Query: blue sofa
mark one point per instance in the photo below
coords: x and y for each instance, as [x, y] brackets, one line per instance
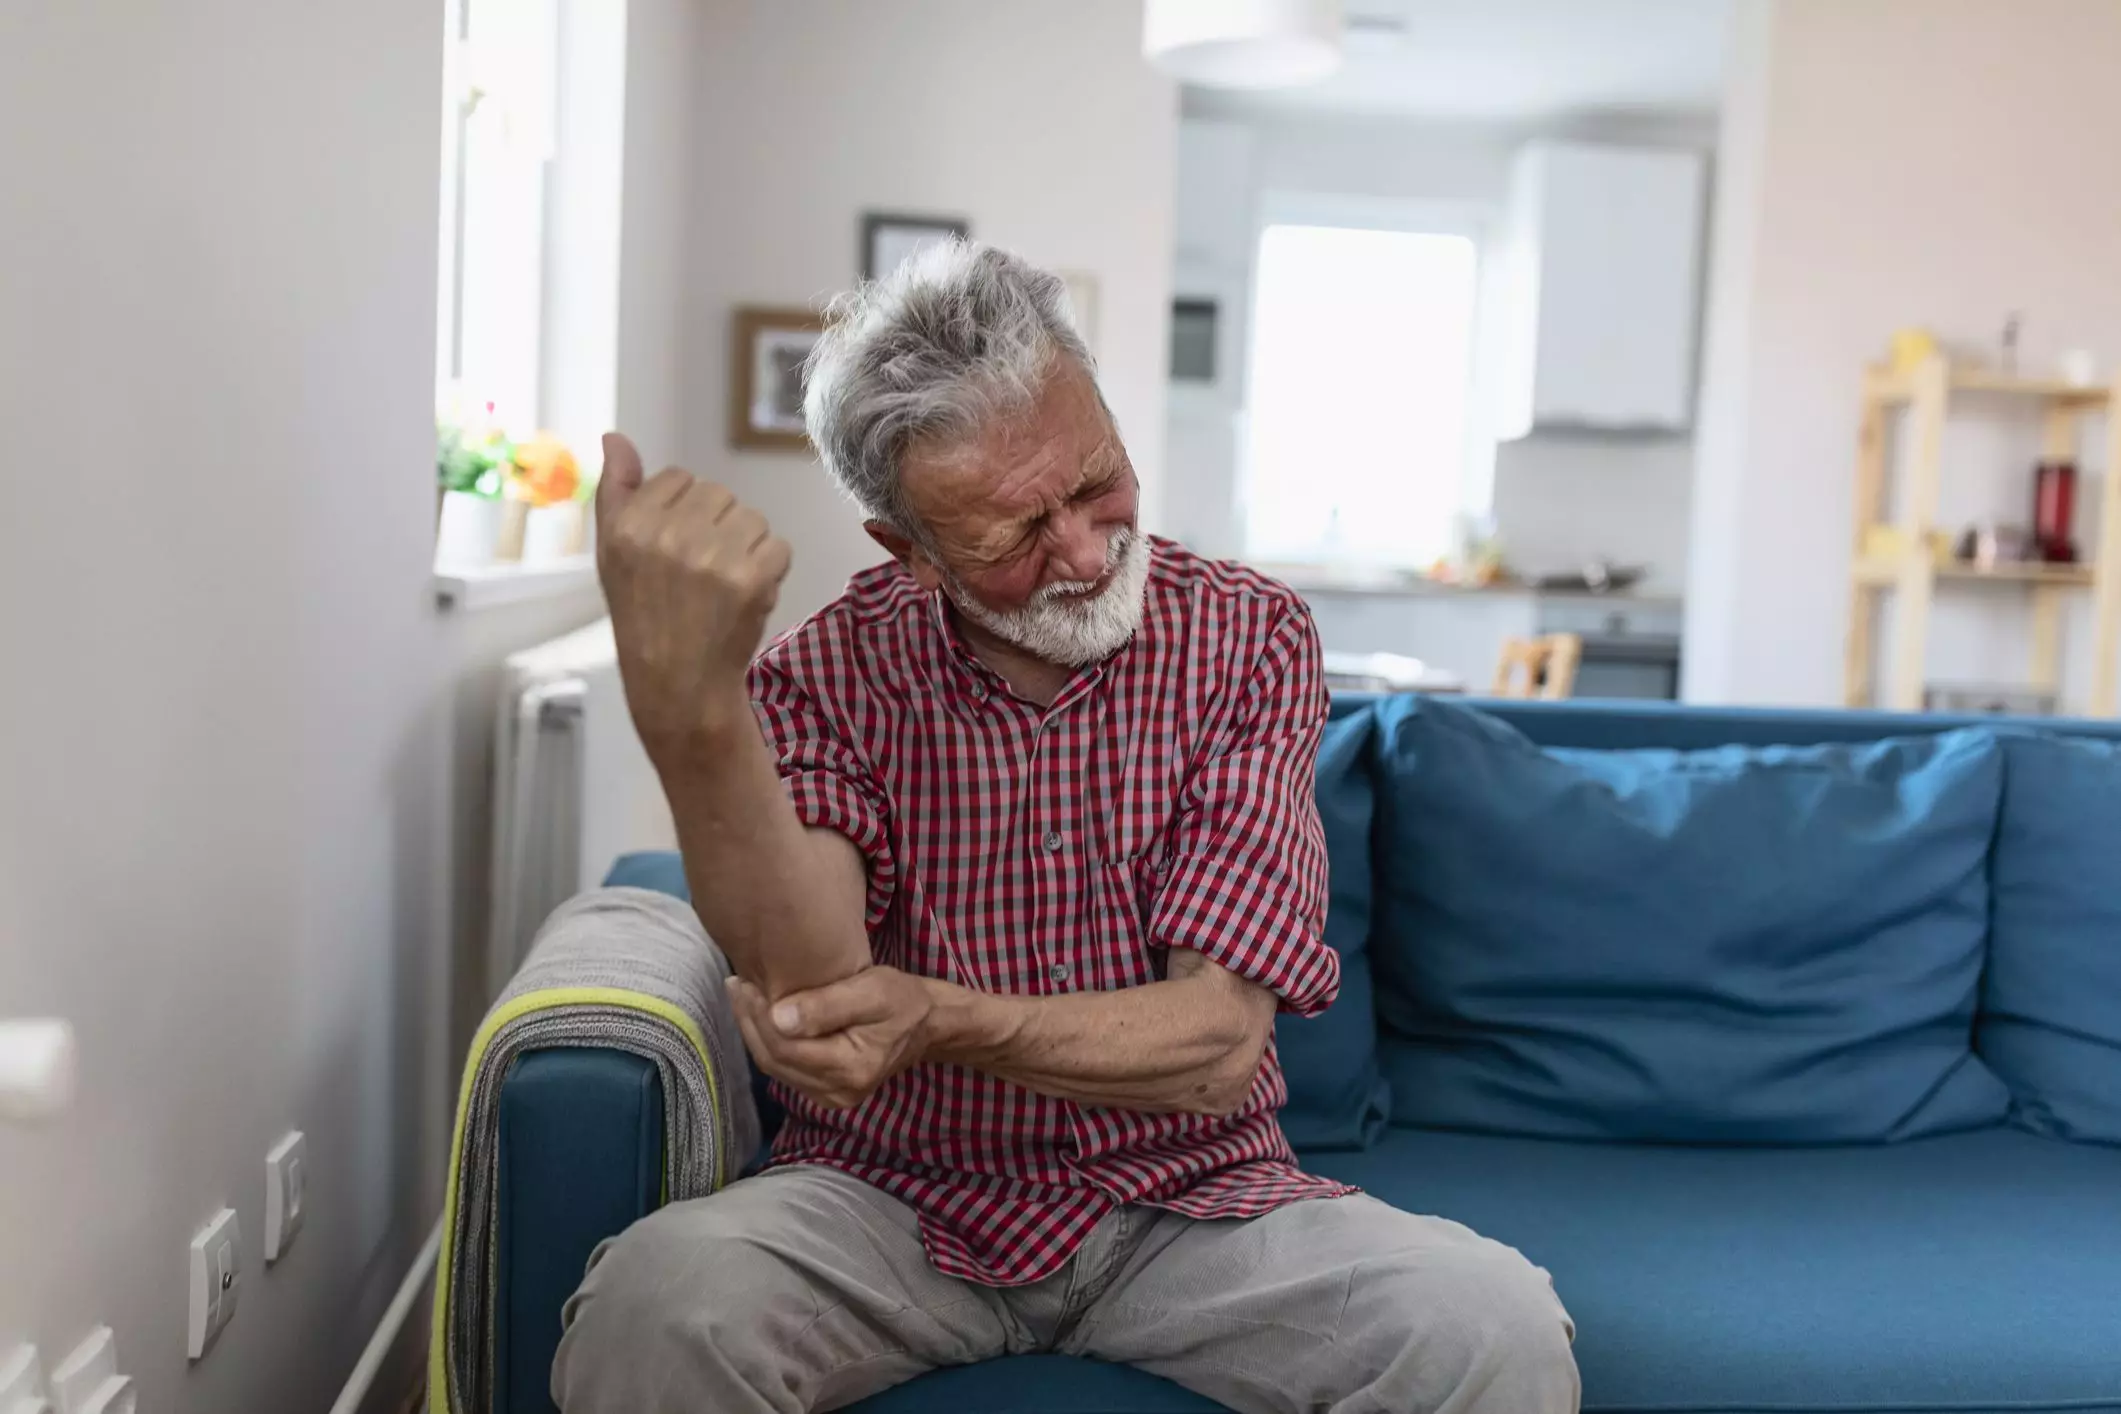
[1790, 1043]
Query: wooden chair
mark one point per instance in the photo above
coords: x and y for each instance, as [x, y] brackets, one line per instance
[1538, 667]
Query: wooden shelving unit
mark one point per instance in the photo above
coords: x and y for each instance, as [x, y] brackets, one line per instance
[1923, 396]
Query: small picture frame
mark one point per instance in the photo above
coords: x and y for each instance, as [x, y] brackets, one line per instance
[889, 240]
[766, 377]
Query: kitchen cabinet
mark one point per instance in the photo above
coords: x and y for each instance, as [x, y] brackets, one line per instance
[1596, 282]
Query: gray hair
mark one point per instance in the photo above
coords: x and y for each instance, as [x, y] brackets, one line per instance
[956, 337]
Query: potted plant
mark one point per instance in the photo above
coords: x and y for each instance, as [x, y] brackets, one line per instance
[470, 457]
[547, 481]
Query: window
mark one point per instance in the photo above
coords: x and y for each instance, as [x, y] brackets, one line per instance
[1357, 441]
[498, 137]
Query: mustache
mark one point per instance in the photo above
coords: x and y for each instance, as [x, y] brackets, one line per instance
[1063, 590]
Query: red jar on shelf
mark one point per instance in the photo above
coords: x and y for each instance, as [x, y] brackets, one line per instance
[2054, 508]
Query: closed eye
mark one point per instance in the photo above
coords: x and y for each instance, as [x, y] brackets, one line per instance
[1096, 488]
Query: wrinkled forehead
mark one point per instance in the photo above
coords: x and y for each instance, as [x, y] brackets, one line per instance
[1021, 464]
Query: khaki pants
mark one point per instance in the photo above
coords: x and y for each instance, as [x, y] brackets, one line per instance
[805, 1289]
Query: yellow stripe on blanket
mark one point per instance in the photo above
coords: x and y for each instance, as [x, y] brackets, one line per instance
[529, 1002]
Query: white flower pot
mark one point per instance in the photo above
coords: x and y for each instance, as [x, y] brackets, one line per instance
[552, 533]
[466, 532]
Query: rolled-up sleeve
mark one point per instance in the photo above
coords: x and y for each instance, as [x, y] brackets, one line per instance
[1246, 886]
[831, 781]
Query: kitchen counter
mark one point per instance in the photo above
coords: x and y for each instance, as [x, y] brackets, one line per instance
[1314, 582]
[1459, 630]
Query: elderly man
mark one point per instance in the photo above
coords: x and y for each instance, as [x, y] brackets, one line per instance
[1014, 851]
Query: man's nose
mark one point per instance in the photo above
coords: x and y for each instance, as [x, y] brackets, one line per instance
[1078, 552]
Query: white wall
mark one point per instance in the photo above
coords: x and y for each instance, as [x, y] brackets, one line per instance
[662, 37]
[223, 755]
[1039, 122]
[243, 759]
[623, 806]
[1934, 162]
[1563, 496]
[1558, 498]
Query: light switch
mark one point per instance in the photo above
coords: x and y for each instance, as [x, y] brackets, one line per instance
[22, 1382]
[87, 1381]
[216, 1276]
[286, 1174]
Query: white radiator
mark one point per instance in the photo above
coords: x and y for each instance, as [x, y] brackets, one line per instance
[572, 789]
[537, 790]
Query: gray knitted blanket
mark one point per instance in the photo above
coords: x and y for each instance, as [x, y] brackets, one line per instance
[627, 969]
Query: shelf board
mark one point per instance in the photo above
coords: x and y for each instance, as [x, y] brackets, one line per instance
[1897, 387]
[482, 586]
[1887, 572]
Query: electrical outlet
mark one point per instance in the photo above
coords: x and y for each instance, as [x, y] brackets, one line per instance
[88, 1382]
[22, 1383]
[215, 1272]
[286, 1178]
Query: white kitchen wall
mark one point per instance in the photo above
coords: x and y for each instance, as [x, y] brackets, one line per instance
[1558, 498]
[1932, 162]
[1041, 123]
[1563, 496]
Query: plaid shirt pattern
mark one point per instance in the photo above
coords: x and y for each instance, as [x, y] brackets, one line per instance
[1163, 800]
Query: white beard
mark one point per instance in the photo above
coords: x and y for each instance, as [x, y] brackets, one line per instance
[1061, 625]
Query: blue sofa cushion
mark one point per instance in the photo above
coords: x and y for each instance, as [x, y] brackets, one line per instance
[1337, 1096]
[1732, 945]
[662, 870]
[1970, 1274]
[1039, 1384]
[2051, 1001]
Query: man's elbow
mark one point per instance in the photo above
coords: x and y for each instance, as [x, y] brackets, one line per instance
[1222, 1087]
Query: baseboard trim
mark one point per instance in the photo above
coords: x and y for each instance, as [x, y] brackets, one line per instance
[391, 1336]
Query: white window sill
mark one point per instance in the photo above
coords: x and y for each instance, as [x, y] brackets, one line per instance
[483, 586]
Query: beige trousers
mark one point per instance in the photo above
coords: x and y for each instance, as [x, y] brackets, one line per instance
[805, 1289]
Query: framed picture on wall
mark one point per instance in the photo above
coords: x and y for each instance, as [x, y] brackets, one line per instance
[888, 240]
[766, 377]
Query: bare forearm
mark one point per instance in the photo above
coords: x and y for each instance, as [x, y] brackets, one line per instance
[783, 901]
[1191, 1045]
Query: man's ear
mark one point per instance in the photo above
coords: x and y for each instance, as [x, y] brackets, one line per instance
[901, 547]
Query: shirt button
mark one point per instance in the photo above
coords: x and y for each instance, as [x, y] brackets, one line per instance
[1059, 971]
[1052, 842]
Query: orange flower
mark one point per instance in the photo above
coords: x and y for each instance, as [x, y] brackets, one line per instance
[546, 472]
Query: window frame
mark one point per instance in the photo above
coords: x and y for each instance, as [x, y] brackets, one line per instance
[516, 74]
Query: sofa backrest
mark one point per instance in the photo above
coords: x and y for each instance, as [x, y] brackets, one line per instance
[1579, 929]
[1616, 725]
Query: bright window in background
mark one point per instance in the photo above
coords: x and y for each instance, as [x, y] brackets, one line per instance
[1361, 390]
[498, 137]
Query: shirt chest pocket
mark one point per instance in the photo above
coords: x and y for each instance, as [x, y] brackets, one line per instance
[1134, 816]
[1135, 838]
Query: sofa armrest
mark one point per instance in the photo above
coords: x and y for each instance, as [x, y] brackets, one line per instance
[580, 1158]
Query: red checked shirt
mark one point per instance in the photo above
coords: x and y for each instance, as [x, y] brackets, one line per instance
[1164, 800]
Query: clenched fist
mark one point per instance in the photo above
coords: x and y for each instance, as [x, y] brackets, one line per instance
[691, 576]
